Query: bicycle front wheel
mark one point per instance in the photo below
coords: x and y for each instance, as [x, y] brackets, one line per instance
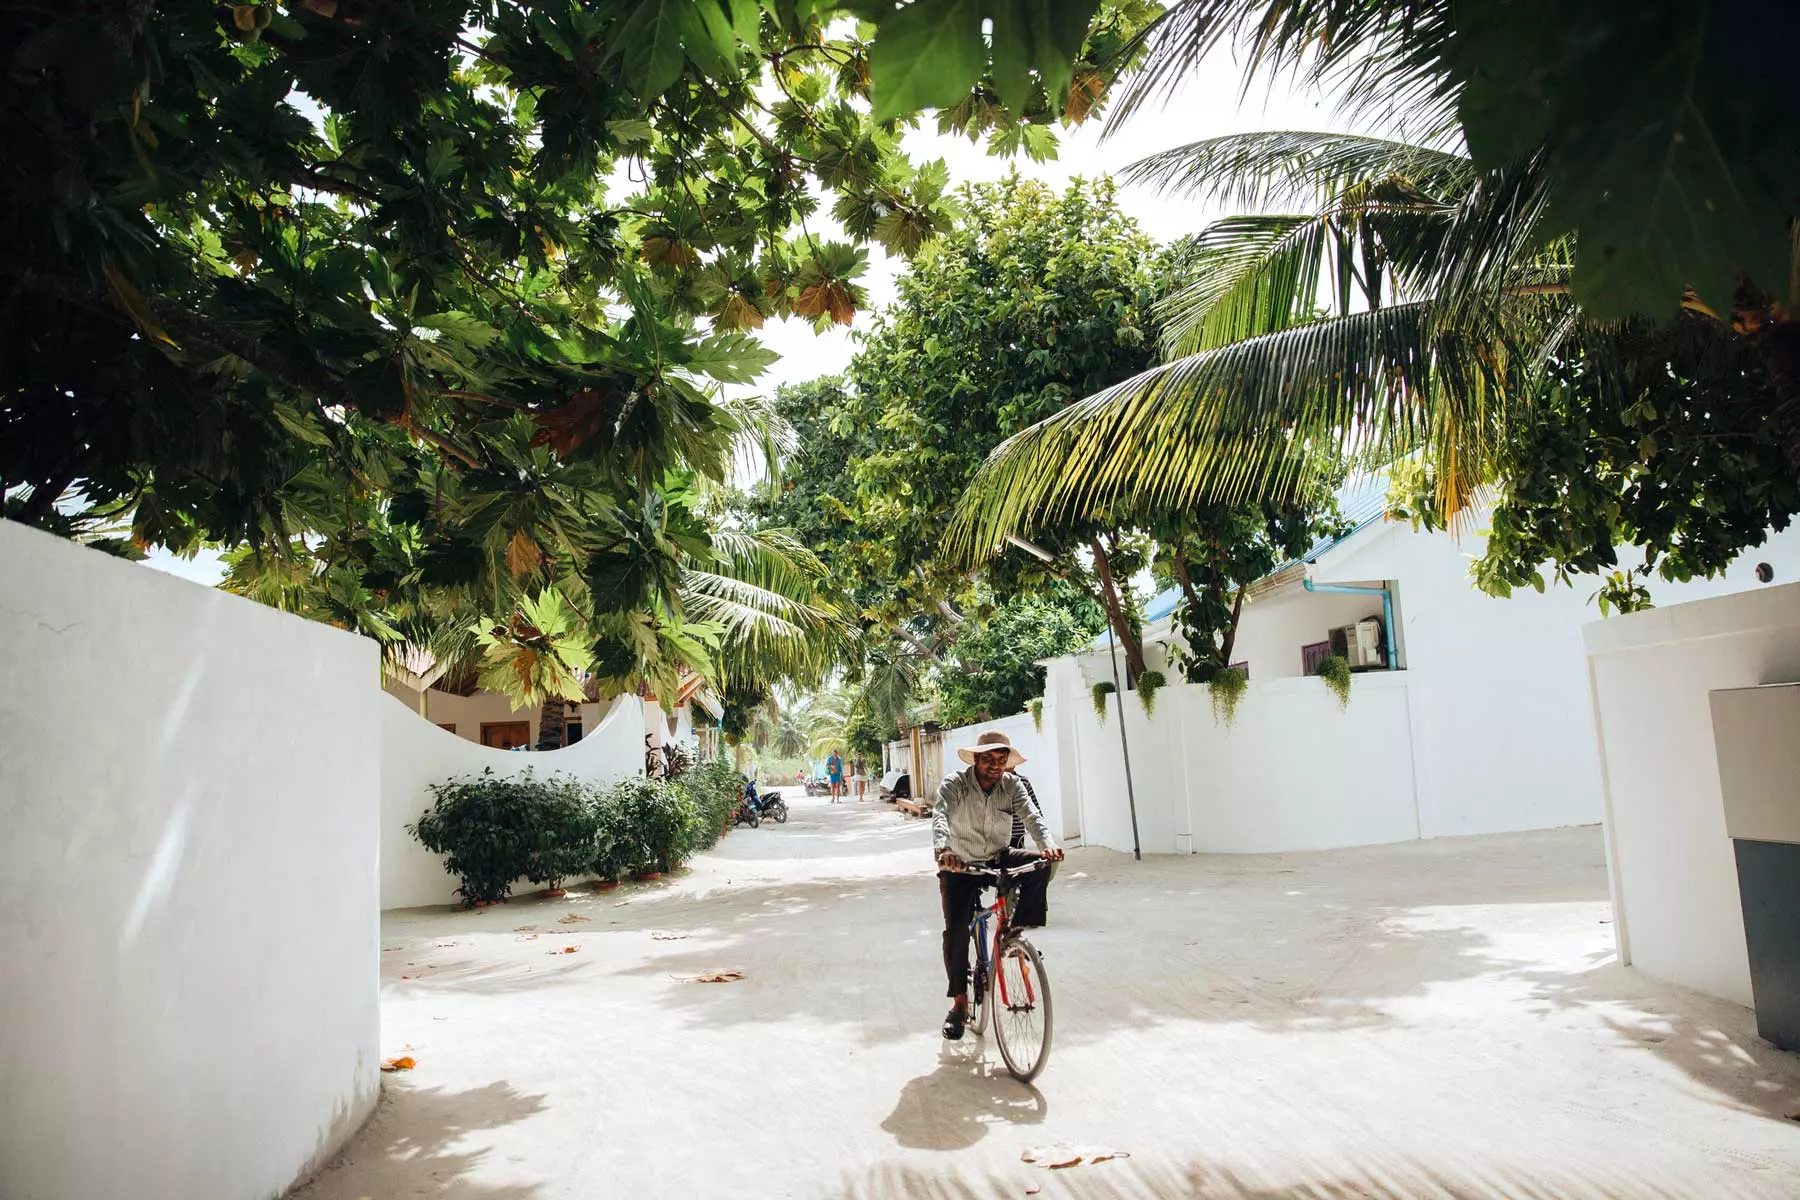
[1020, 1000]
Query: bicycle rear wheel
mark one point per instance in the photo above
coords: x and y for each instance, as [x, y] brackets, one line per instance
[1020, 1001]
[980, 981]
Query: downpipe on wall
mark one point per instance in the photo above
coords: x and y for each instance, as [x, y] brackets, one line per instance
[1387, 610]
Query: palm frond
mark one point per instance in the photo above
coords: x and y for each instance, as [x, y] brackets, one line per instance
[1258, 417]
[1386, 58]
[1296, 169]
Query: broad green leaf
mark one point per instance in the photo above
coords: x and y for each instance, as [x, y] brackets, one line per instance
[1041, 34]
[464, 328]
[651, 43]
[731, 358]
[926, 55]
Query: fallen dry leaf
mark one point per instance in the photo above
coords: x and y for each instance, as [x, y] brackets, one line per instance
[570, 919]
[566, 950]
[523, 928]
[668, 937]
[404, 1063]
[1057, 1158]
[712, 977]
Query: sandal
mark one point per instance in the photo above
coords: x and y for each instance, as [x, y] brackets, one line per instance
[953, 1024]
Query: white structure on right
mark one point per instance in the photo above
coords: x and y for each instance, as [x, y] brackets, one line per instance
[1678, 914]
[1472, 715]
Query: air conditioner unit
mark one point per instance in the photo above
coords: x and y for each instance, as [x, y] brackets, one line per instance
[1361, 644]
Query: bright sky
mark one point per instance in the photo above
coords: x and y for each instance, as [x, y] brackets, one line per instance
[1207, 107]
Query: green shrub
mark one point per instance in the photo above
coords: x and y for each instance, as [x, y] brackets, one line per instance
[492, 831]
[713, 788]
[643, 825]
[1334, 669]
[1147, 684]
[1036, 708]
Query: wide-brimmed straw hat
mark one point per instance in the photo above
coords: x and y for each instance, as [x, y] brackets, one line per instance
[991, 741]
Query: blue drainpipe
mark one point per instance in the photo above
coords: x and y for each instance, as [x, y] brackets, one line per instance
[1387, 610]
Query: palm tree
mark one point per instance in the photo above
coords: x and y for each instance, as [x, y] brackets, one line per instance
[1443, 298]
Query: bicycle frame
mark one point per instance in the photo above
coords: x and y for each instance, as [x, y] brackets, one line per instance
[986, 945]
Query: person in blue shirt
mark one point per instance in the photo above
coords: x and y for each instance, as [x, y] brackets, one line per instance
[834, 772]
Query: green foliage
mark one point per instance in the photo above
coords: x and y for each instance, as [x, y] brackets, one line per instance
[1647, 121]
[1101, 691]
[1147, 686]
[1212, 552]
[1033, 298]
[713, 790]
[429, 308]
[1664, 439]
[1334, 669]
[1225, 690]
[645, 825]
[1035, 706]
[492, 831]
[995, 671]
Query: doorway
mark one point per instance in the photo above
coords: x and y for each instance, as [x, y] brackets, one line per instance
[505, 735]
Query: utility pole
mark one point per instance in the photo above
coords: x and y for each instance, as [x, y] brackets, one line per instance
[1112, 646]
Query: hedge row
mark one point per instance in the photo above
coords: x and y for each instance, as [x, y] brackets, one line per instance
[492, 831]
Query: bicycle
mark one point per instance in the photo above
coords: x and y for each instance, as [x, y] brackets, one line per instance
[1012, 977]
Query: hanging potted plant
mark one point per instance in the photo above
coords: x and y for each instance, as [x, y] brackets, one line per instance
[1334, 669]
[1226, 689]
[1102, 690]
[1148, 683]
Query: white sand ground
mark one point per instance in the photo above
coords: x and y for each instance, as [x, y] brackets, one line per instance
[1439, 1019]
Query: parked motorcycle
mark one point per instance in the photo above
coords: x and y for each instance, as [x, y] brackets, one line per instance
[747, 813]
[775, 808]
[768, 804]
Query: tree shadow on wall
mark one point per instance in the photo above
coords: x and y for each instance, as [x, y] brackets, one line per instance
[409, 1147]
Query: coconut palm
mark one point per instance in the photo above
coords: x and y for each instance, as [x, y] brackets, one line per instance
[1440, 295]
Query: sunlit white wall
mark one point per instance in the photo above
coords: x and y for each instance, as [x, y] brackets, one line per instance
[188, 839]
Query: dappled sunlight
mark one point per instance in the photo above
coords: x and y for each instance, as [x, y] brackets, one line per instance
[1414, 1018]
[434, 1139]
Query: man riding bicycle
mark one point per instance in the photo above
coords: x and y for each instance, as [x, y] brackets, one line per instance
[972, 823]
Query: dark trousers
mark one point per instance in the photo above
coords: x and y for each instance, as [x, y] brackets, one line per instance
[959, 894]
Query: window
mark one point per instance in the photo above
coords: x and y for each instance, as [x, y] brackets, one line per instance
[1311, 656]
[571, 733]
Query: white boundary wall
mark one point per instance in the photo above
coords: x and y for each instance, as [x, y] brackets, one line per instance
[1674, 877]
[1254, 786]
[417, 754]
[188, 839]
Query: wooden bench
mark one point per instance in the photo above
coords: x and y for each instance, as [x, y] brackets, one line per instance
[912, 808]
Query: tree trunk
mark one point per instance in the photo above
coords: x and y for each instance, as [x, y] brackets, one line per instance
[553, 721]
[1230, 641]
[1115, 616]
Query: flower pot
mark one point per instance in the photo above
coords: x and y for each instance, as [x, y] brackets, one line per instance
[646, 876]
[605, 885]
[554, 893]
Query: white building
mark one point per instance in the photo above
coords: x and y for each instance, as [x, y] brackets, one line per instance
[1479, 721]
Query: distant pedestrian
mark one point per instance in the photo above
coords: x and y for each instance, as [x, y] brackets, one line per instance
[859, 775]
[834, 773]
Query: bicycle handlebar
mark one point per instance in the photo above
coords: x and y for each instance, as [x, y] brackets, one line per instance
[1006, 872]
